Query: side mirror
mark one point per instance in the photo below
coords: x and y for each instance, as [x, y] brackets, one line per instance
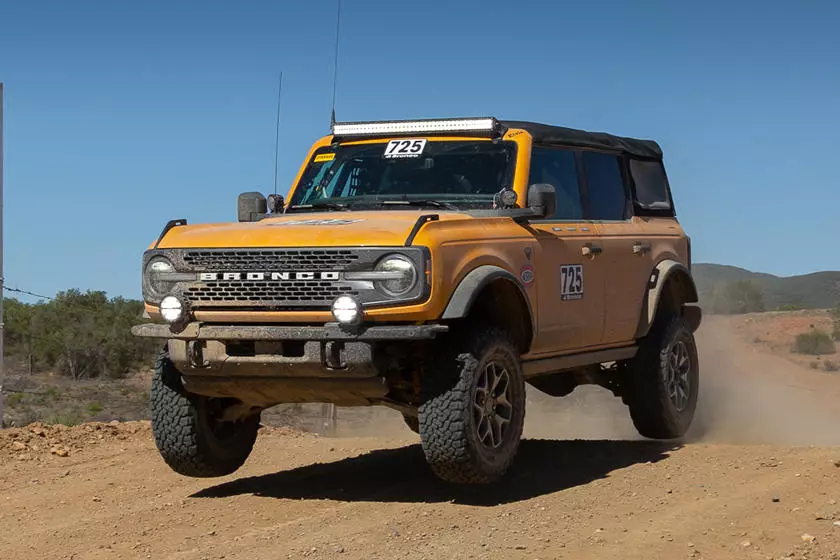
[542, 199]
[251, 207]
[276, 203]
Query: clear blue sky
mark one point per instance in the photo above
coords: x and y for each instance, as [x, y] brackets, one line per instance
[123, 115]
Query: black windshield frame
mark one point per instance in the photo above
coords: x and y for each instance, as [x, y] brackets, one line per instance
[446, 163]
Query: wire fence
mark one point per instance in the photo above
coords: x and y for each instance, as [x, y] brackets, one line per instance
[27, 293]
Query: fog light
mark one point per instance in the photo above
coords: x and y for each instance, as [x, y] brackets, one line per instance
[346, 310]
[171, 309]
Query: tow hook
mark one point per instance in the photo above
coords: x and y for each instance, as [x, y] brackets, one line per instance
[195, 353]
[332, 354]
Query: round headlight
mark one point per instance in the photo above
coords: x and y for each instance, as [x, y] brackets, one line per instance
[171, 309]
[401, 278]
[157, 267]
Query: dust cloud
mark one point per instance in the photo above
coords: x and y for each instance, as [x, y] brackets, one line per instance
[749, 396]
[746, 397]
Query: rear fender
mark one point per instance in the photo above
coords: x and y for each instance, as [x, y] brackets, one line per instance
[669, 279]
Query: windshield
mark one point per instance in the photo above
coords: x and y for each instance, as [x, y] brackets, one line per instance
[406, 172]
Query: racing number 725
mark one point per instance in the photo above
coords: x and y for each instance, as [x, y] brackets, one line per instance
[406, 147]
[571, 282]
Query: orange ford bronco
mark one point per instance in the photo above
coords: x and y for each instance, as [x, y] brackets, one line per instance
[435, 267]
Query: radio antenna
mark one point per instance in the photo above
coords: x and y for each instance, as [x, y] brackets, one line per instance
[277, 132]
[335, 64]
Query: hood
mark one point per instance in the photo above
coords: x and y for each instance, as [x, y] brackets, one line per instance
[306, 229]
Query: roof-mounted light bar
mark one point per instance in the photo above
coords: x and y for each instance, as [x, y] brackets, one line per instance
[484, 125]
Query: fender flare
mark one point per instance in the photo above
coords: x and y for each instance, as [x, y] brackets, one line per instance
[661, 274]
[464, 296]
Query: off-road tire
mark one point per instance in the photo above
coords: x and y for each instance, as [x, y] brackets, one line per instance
[647, 395]
[181, 426]
[448, 427]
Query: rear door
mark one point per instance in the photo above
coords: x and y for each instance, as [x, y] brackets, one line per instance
[626, 257]
[567, 265]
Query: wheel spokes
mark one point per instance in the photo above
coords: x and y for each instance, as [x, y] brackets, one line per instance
[498, 426]
[492, 408]
[678, 384]
[502, 403]
[485, 431]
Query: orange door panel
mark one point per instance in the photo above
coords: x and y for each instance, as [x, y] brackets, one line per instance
[627, 255]
[570, 284]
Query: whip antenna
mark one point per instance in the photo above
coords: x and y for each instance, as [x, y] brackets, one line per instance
[277, 132]
[335, 63]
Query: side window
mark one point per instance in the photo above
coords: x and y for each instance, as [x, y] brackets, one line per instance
[557, 167]
[651, 184]
[605, 187]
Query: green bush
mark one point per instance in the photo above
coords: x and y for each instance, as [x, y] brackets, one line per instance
[94, 408]
[814, 343]
[78, 335]
[66, 418]
[14, 399]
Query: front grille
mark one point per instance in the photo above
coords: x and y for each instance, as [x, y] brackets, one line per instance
[268, 293]
[264, 260]
[318, 293]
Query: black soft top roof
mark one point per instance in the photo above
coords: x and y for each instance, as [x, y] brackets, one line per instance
[560, 135]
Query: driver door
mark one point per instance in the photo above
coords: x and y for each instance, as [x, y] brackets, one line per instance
[570, 276]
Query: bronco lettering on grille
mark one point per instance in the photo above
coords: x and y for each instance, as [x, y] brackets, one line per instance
[262, 276]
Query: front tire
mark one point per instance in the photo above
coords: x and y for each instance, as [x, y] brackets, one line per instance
[188, 436]
[473, 408]
[663, 380]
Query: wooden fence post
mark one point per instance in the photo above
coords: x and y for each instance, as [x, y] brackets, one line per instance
[329, 417]
[2, 402]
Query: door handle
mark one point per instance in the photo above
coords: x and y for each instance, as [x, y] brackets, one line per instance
[641, 248]
[589, 250]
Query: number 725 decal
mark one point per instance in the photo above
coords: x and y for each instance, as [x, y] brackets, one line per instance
[571, 282]
[409, 147]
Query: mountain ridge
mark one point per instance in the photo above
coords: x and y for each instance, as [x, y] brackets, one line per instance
[814, 290]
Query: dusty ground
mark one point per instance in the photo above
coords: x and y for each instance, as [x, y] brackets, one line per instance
[757, 479]
[54, 399]
[777, 331]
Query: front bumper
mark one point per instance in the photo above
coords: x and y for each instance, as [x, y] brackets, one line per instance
[269, 351]
[330, 331]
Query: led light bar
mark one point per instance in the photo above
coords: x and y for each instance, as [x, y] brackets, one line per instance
[379, 128]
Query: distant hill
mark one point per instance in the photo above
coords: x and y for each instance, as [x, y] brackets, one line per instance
[818, 290]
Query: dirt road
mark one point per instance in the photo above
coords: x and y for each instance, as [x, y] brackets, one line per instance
[756, 480]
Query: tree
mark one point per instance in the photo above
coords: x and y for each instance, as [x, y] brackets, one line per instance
[17, 327]
[77, 334]
[742, 296]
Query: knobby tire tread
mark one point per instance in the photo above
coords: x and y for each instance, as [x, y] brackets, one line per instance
[445, 428]
[647, 397]
[178, 431]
